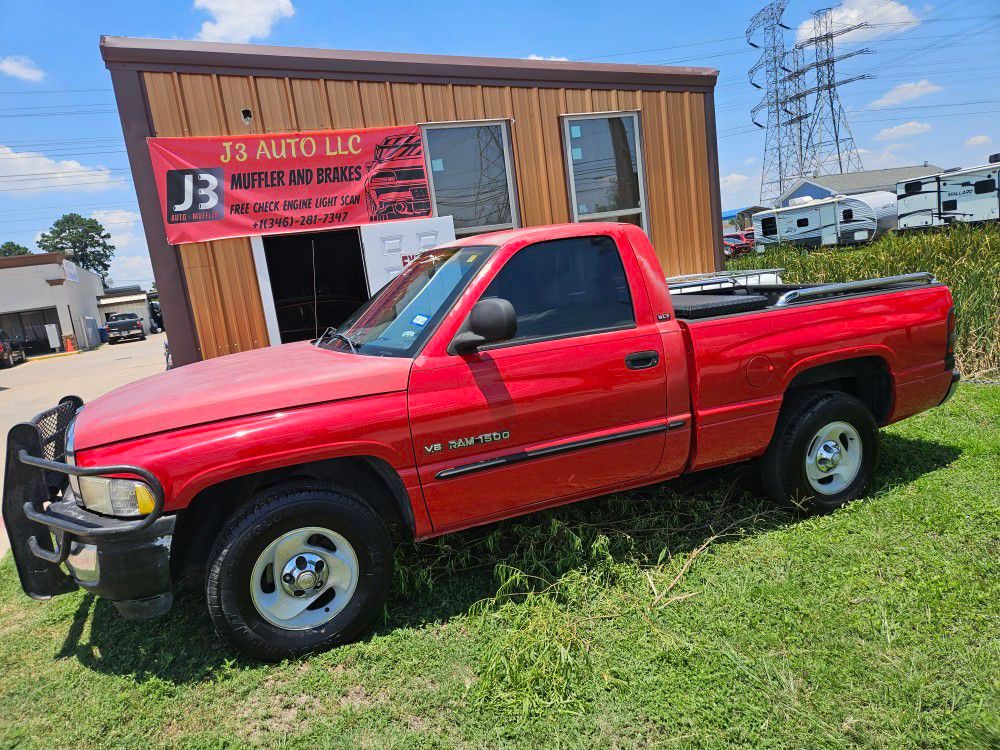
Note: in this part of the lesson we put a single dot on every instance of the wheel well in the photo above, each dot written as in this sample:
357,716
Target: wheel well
371,478
865,378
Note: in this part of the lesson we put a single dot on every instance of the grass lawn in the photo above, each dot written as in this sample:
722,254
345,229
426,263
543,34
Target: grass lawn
695,615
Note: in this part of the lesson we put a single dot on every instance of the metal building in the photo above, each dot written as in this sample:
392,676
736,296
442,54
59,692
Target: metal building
504,143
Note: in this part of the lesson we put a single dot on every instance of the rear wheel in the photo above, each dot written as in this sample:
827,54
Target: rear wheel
303,569
823,453
7,360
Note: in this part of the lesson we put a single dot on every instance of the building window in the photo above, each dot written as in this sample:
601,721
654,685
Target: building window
565,288
470,176
848,214
769,226
802,223
604,164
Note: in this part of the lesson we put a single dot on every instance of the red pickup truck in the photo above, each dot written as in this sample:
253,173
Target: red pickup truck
499,375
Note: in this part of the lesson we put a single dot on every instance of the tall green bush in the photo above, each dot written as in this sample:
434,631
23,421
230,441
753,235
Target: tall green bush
966,258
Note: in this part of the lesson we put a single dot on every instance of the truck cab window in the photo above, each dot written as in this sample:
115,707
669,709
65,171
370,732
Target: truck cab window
565,288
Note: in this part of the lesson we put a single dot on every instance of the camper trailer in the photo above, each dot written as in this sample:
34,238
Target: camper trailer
840,220
955,195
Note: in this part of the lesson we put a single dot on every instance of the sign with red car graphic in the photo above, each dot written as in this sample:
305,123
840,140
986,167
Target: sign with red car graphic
234,186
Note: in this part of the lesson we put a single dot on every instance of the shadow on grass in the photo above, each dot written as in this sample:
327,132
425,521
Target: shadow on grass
443,578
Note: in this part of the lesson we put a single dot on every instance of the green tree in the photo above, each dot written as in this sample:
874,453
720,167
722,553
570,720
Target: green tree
86,241
12,248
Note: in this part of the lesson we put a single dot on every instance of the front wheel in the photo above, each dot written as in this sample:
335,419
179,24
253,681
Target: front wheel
303,569
823,453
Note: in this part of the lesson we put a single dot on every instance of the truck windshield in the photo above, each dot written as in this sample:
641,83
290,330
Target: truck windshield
400,317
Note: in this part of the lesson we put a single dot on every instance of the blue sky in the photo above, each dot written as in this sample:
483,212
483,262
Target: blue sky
935,95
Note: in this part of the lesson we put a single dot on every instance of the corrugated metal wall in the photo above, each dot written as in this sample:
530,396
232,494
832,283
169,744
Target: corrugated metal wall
221,281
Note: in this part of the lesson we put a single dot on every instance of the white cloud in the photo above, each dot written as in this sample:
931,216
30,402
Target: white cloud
904,92
733,181
130,264
878,12
750,160
552,58
234,21
24,173
902,131
887,157
978,140
18,66
739,190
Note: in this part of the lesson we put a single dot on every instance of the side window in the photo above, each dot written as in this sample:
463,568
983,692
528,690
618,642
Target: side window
565,288
985,186
848,214
769,226
912,188
951,205
802,223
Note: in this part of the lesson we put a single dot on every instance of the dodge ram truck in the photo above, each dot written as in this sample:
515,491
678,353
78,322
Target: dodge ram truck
493,377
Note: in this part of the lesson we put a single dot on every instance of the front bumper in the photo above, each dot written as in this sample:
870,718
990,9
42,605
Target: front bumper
125,561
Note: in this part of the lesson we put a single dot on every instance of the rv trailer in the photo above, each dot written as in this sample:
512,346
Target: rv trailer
967,195
840,220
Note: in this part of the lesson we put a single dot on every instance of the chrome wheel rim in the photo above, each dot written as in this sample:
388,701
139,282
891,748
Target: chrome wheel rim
833,458
304,578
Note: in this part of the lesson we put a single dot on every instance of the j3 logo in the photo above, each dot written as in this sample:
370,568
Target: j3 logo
194,195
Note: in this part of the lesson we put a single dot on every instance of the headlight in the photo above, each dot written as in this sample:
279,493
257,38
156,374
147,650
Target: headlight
116,497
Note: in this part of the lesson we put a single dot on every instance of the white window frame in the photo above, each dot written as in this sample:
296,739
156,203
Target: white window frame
508,164
640,170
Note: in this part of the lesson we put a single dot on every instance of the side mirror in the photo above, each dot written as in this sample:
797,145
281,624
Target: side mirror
490,322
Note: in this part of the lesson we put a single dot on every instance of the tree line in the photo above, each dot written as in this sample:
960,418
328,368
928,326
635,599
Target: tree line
84,240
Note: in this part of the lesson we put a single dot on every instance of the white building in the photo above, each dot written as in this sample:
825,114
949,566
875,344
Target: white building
46,288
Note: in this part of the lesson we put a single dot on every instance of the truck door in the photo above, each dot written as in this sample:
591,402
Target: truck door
574,403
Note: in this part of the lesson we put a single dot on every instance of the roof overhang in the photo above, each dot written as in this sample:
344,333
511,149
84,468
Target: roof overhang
303,62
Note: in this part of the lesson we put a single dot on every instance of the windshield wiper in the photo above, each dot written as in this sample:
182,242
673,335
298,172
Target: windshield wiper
335,334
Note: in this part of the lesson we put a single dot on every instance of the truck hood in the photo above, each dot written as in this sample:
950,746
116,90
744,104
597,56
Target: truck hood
262,380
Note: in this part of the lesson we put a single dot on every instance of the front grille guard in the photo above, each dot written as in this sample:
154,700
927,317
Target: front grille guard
36,473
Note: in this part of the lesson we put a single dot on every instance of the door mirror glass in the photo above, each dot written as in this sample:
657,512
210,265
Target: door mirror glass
491,321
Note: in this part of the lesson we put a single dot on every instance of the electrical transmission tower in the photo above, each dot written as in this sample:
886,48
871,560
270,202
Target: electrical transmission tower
830,147
766,32
806,127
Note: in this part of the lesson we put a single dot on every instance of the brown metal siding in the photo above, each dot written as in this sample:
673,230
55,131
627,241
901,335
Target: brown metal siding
220,276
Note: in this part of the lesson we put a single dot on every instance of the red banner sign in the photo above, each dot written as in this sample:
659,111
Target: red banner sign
235,186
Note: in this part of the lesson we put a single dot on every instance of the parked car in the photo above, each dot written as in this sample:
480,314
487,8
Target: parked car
737,243
125,326
11,350
500,375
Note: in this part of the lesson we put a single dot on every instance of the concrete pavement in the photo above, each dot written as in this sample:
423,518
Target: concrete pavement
36,385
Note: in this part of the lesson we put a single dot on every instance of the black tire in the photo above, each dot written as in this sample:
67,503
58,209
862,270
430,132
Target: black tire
142,338
783,467
7,360
270,515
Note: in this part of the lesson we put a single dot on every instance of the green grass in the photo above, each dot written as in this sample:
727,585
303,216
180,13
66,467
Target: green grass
694,615
966,258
